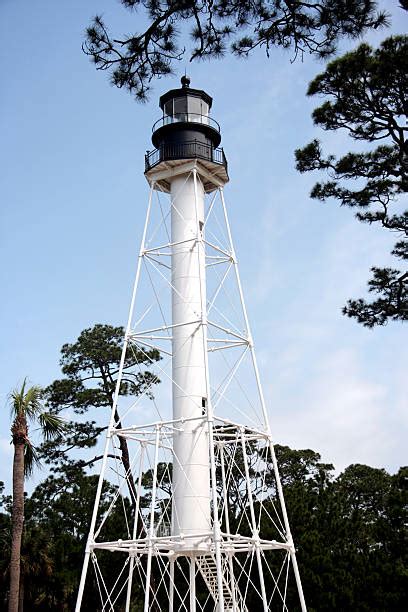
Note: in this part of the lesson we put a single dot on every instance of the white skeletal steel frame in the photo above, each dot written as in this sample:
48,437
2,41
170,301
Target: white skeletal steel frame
198,440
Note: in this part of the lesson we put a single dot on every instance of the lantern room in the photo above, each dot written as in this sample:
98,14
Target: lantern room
186,130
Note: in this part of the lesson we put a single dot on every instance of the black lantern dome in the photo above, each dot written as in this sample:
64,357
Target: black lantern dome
186,130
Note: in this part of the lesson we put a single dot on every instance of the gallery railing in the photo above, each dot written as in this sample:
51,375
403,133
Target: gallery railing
193,149
186,118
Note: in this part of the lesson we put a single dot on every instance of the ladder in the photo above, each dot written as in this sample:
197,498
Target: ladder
208,570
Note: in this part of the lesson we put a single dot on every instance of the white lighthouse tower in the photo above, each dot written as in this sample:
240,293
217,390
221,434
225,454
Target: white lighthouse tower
205,527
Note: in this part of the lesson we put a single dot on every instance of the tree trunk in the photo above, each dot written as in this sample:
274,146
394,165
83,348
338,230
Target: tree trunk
126,462
109,385
17,522
21,596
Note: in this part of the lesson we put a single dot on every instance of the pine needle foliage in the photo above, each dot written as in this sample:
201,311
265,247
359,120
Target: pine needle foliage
365,95
218,27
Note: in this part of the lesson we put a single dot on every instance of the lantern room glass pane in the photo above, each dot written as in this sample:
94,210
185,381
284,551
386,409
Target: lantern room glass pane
194,105
168,108
204,108
188,108
180,106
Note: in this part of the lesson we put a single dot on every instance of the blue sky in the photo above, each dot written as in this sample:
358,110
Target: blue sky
73,198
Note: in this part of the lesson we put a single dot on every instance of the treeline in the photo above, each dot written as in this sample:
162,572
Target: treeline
350,531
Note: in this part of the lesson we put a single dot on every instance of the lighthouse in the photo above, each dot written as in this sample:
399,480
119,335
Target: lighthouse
206,527
184,133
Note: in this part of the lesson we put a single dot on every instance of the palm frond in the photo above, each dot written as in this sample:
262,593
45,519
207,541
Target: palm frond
51,425
24,402
26,405
16,400
32,403
31,459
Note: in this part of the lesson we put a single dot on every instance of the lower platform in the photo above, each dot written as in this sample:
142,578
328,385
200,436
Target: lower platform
241,564
212,174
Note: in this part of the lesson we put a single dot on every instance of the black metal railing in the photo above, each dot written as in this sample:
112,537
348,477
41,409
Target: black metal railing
186,118
193,149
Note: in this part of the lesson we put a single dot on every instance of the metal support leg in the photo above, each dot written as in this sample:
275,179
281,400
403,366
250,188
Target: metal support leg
227,526
254,525
134,534
192,584
151,526
112,417
263,405
210,417
171,595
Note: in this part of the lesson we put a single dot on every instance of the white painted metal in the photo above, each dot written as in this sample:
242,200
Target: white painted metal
148,586
192,584
208,453
191,475
265,413
171,586
227,527
210,415
134,532
114,407
254,526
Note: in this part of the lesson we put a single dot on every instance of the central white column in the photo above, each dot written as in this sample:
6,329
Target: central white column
191,472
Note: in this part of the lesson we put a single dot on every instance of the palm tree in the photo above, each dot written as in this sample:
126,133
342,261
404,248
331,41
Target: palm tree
26,407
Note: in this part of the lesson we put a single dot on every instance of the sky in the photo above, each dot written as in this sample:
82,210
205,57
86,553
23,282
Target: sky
73,198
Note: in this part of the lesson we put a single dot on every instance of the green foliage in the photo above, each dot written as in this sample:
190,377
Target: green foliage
351,533
366,91
91,366
56,527
392,286
26,408
218,26
25,402
351,539
301,467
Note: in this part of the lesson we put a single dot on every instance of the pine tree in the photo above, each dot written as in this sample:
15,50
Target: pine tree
366,95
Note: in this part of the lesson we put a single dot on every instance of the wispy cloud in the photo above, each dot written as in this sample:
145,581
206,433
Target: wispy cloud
340,413
329,383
